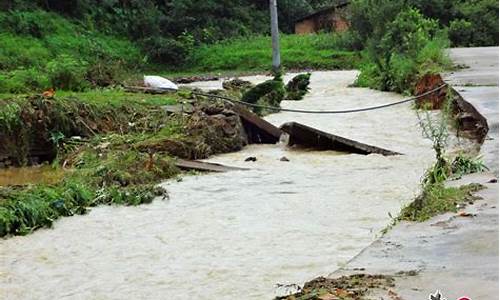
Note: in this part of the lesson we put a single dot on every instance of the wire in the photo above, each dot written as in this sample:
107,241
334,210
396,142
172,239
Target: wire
322,111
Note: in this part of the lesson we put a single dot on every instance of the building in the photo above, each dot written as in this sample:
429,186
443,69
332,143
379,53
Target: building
332,18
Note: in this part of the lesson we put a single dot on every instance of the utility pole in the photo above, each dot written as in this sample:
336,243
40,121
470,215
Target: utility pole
275,35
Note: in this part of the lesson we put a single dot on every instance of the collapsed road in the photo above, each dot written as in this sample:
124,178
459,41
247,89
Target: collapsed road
242,233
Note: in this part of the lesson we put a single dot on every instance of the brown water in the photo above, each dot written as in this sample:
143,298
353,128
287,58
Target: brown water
30,175
237,235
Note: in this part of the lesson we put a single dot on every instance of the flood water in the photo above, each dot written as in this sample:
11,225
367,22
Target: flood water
237,235
30,175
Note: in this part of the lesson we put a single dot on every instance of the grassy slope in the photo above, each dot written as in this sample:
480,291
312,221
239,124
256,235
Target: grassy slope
254,54
33,41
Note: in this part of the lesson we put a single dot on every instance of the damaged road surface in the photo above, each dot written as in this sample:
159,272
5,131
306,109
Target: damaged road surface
303,135
237,235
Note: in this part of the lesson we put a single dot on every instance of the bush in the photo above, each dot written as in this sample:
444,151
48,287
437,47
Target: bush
298,87
36,24
173,52
67,73
460,33
399,50
23,80
268,93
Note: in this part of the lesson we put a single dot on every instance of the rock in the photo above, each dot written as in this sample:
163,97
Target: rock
251,158
284,158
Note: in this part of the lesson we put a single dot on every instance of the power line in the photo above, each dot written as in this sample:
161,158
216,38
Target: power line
322,111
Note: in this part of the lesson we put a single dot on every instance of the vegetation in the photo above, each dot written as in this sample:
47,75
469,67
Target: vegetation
42,49
298,87
82,44
267,93
401,45
320,51
464,164
436,198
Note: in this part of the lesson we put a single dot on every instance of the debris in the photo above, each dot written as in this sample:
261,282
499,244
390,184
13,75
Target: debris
179,108
465,214
346,287
237,84
251,158
204,166
284,158
268,93
191,79
49,93
310,137
147,90
298,87
159,82
258,130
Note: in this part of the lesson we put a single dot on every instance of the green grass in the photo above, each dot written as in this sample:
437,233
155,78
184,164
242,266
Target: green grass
107,97
42,49
437,199
254,54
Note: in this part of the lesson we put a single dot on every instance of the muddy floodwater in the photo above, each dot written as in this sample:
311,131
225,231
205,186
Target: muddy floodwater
237,235
30,175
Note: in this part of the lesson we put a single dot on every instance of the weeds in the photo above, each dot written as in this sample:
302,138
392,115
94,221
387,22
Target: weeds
465,164
437,199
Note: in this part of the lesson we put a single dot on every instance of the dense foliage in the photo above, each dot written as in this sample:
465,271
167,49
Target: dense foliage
400,44
77,44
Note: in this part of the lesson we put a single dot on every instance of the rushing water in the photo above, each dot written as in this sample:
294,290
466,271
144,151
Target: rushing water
236,235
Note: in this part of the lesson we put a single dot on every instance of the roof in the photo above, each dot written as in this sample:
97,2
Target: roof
338,4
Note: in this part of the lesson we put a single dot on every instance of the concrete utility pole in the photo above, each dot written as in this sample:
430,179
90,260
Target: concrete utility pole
275,35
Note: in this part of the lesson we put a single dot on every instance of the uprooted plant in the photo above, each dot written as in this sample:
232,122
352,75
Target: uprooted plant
298,87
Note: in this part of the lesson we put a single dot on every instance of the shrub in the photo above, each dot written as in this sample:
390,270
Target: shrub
36,24
23,80
461,32
399,49
298,87
67,73
268,93
173,52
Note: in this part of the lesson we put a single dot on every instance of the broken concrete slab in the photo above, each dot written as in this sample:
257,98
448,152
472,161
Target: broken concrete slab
258,130
470,122
204,166
300,134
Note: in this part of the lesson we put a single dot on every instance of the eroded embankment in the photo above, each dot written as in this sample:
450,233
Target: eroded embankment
101,154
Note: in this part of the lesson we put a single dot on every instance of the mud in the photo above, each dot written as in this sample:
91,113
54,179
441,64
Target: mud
353,287
30,175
